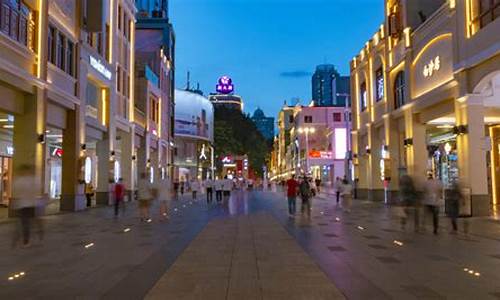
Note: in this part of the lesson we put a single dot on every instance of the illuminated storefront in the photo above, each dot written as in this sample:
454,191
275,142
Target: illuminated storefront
437,109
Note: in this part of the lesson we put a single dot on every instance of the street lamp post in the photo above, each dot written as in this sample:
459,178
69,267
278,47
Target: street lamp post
306,131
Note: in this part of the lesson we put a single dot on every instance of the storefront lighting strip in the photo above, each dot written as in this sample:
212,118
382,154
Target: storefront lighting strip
132,72
493,171
41,13
111,30
103,108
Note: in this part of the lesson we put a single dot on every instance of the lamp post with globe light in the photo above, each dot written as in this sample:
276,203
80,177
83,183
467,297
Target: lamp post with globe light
306,131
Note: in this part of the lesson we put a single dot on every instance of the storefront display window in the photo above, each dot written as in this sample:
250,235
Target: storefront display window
443,157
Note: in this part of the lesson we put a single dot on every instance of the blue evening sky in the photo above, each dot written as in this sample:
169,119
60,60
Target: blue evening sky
269,47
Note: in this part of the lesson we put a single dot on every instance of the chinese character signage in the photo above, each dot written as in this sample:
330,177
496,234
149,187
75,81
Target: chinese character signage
225,85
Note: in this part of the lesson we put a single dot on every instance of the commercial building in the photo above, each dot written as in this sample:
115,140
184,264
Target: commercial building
312,140
60,105
329,88
426,100
194,136
265,125
68,108
154,90
225,97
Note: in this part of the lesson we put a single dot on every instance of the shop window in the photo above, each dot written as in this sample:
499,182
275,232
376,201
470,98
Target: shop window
16,21
489,10
363,95
379,84
399,90
308,119
337,117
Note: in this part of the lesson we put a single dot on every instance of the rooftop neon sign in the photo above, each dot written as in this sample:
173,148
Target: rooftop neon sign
225,85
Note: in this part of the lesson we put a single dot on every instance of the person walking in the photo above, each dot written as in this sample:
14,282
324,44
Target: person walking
89,193
182,186
164,195
306,195
228,187
408,198
336,186
145,196
433,196
23,203
176,190
346,194
454,197
317,182
209,186
219,186
292,188
195,188
119,195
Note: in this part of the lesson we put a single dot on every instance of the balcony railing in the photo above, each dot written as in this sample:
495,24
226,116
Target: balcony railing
17,22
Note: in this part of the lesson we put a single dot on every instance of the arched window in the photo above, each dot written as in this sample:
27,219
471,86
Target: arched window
399,90
363,101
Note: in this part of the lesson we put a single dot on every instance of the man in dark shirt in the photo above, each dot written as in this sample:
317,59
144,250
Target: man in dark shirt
292,187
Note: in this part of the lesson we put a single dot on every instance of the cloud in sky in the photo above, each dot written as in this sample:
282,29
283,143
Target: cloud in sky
295,74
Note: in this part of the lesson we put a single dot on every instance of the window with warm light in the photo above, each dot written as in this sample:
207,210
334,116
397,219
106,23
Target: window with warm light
379,84
363,97
399,90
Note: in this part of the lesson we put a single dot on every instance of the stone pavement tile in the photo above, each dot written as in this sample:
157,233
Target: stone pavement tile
262,261
422,292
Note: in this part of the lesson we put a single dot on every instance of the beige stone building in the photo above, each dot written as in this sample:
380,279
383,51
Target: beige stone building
67,100
426,99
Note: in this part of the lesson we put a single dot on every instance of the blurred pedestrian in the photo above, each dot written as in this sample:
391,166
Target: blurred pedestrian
455,197
219,186
119,195
336,186
182,186
165,193
227,187
292,188
24,203
432,200
209,186
89,193
306,195
176,190
346,194
408,198
145,196
195,188
317,182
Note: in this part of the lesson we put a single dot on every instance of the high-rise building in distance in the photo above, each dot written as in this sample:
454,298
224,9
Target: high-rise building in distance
264,124
329,88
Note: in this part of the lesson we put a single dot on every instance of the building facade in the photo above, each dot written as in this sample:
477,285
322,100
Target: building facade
154,90
265,125
313,140
194,136
426,100
329,88
68,101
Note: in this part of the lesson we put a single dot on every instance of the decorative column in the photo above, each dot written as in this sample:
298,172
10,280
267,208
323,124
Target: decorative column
471,148
416,150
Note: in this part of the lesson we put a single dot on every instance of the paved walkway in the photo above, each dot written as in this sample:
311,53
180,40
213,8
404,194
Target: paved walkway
245,257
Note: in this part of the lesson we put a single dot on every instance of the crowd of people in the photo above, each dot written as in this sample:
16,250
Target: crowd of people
306,189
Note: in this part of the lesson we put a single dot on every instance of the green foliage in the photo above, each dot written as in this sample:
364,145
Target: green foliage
235,133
